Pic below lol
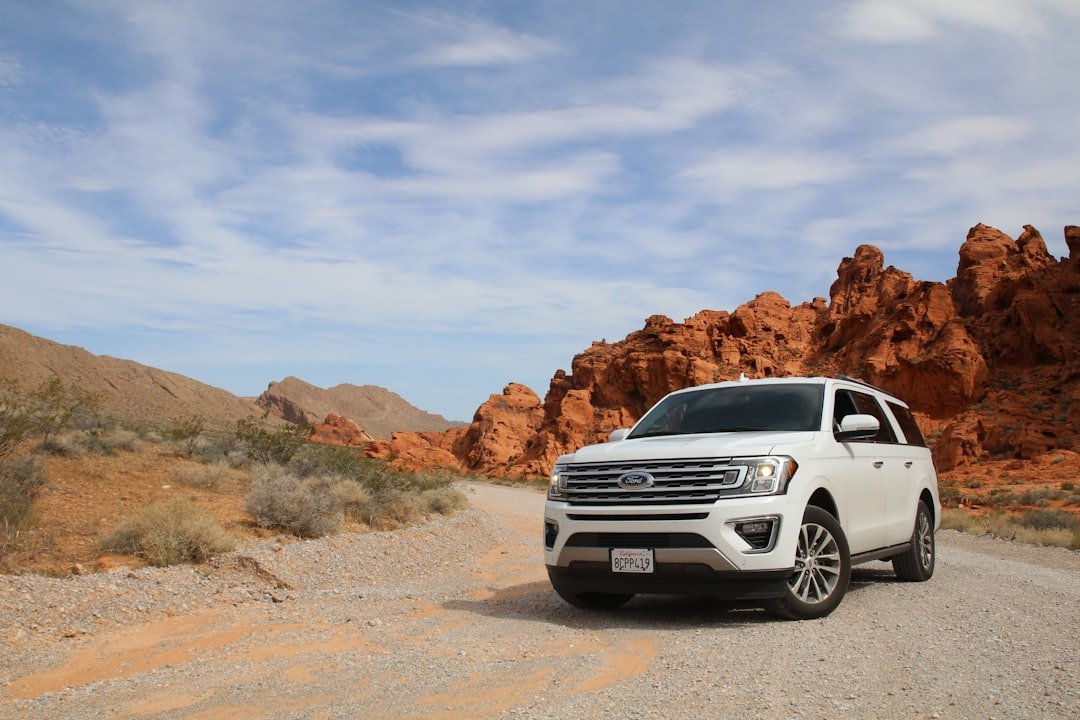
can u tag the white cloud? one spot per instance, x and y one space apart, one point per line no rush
899 21
727 174
478 43
965 134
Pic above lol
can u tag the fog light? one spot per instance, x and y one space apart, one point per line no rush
759 533
755 528
551 531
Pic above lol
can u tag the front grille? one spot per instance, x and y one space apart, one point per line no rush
660 517
691 482
637 540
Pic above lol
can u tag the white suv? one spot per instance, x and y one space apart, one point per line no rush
751 490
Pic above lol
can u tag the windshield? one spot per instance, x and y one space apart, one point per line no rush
735 408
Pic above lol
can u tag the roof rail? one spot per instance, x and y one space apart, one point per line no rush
848 378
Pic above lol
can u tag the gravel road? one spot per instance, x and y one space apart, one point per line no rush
455 619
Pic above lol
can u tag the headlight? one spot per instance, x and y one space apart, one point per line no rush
555 491
767 475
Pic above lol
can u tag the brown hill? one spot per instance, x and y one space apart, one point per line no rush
990 360
127 390
375 409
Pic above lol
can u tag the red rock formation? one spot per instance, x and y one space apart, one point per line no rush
418 451
500 429
338 430
990 361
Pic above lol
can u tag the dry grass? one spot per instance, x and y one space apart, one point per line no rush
1038 527
204 477
170 532
304 507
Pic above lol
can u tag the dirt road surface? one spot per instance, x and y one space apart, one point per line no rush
455 619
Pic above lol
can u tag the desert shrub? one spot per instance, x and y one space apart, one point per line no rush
122 439
1045 519
973 484
43 412
1032 497
950 496
444 501
312 460
302 506
1001 525
390 508
1002 499
207 450
186 434
200 476
67 444
169 532
20 481
271 445
1067 485
98 444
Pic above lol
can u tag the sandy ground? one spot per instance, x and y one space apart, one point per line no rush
455 619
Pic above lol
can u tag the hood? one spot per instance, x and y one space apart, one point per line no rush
691 446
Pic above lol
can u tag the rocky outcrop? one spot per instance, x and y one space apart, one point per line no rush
338 430
988 361
493 443
378 410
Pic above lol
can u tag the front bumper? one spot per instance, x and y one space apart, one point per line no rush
670 579
696 548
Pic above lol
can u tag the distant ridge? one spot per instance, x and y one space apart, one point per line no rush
376 409
126 389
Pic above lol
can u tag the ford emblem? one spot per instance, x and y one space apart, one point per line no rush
636 480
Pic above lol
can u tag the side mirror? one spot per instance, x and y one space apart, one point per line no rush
858 427
617 435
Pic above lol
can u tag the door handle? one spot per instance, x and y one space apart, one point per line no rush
878 463
907 464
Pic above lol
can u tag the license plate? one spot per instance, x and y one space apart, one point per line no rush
625 560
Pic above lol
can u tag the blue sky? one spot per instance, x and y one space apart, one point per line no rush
444 197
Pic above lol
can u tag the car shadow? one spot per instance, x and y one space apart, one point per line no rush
537 602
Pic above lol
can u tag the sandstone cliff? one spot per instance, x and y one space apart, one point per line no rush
990 361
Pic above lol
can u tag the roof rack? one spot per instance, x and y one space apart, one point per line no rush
848 378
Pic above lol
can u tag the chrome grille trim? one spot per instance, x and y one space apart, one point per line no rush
696 481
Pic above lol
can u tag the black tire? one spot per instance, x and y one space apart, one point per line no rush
593 600
822 570
917 562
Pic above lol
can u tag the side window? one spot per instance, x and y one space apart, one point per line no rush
868 405
843 407
907 424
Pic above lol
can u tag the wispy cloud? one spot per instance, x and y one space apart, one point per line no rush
327 190
919 20
470 42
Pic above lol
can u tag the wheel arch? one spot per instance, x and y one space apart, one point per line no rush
928 499
823 499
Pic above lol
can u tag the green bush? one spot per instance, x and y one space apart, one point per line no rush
271 445
186 434
43 412
170 532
